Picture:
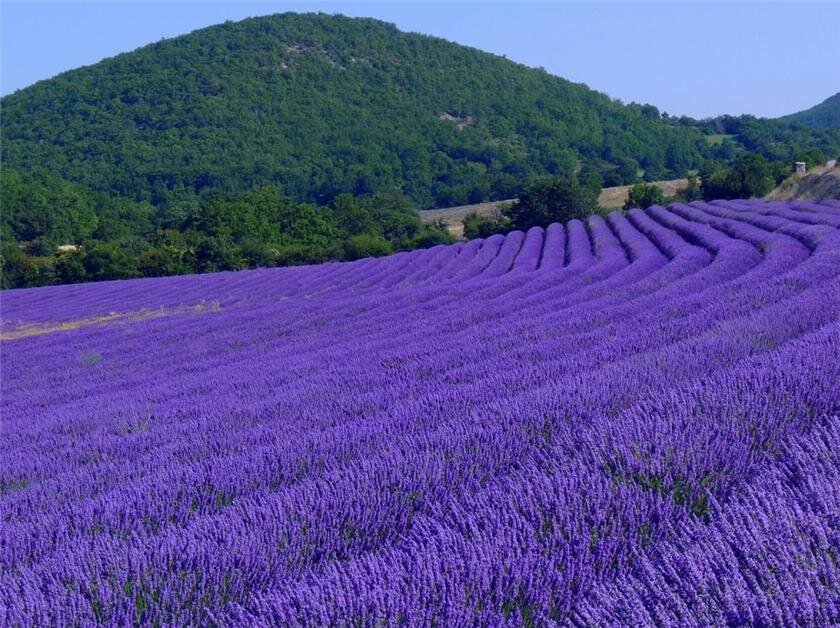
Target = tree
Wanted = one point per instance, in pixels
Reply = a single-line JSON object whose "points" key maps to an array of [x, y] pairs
{"points": [[162, 262], [749, 177], [69, 268], [352, 215], [752, 171], [478, 226], [643, 195], [692, 191], [430, 235], [811, 156], [105, 260], [16, 266], [367, 245], [551, 199]]}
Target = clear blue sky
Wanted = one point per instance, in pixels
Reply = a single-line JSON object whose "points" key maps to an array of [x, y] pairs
{"points": [[698, 59]]}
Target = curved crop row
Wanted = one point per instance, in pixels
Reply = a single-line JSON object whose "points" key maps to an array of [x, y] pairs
{"points": [[628, 420]]}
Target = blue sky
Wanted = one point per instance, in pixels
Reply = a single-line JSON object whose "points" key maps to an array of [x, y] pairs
{"points": [[698, 59]]}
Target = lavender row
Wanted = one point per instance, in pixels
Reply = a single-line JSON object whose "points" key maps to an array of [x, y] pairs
{"points": [[524, 429]]}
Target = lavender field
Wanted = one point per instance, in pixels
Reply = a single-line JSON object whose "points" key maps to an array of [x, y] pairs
{"points": [[632, 421]]}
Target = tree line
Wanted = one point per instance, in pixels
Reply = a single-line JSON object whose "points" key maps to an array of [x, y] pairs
{"points": [[546, 200], [111, 238]]}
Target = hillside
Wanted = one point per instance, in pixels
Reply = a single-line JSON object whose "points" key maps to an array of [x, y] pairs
{"points": [[824, 115], [231, 147], [327, 104], [630, 422], [818, 183]]}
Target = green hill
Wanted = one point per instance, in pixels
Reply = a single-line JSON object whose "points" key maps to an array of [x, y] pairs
{"points": [[824, 115], [233, 146], [327, 104]]}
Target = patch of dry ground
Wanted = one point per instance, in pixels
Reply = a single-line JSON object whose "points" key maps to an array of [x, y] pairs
{"points": [[28, 330], [610, 198], [819, 183], [453, 217], [614, 198]]}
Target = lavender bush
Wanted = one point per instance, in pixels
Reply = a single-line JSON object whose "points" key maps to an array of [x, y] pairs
{"points": [[629, 421]]}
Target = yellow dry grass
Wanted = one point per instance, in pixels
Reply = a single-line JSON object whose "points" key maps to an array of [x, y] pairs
{"points": [[36, 329], [614, 198]]}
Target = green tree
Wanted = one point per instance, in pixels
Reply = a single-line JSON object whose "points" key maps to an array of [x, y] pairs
{"points": [[692, 191], [811, 156], [478, 226], [16, 266], [551, 199], [367, 245], [352, 215], [430, 235], [69, 268], [162, 262], [105, 260], [749, 177], [643, 195]]}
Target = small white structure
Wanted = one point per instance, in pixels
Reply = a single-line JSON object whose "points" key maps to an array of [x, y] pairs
{"points": [[799, 167], [831, 163], [68, 248]]}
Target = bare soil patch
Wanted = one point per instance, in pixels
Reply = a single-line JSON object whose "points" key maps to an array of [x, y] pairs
{"points": [[610, 198]]}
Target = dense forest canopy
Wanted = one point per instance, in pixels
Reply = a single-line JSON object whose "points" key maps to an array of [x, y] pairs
{"points": [[304, 108]]}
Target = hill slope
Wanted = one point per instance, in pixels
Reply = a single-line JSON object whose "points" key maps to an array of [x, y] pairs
{"points": [[630, 423], [205, 152], [824, 115], [326, 104], [819, 183]]}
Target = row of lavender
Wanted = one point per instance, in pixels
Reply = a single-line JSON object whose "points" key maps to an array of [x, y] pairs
{"points": [[632, 420]]}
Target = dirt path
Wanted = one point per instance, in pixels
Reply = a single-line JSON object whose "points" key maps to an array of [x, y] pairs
{"points": [[610, 198]]}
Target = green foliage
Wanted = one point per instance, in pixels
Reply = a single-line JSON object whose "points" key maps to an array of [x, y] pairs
{"points": [[105, 260], [367, 245], [775, 140], [427, 236], [478, 226], [811, 156], [70, 268], [749, 177], [643, 195], [692, 191], [825, 115], [551, 199], [276, 140], [325, 105], [260, 227]]}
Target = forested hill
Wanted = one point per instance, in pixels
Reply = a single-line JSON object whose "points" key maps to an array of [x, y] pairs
{"points": [[824, 115], [326, 104], [300, 138]]}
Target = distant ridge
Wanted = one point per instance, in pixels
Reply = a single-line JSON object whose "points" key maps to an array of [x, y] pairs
{"points": [[825, 115]]}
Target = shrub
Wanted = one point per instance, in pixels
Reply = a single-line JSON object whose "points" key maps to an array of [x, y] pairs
{"points": [[749, 177], [367, 245], [643, 195], [478, 226], [551, 199]]}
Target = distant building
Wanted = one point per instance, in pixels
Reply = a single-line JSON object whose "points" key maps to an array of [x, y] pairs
{"points": [[799, 167], [68, 248], [831, 163]]}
